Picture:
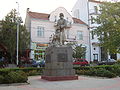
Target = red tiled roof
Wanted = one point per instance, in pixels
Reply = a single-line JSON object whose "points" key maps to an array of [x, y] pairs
{"points": [[95, 1], [46, 17], [39, 15], [78, 21]]}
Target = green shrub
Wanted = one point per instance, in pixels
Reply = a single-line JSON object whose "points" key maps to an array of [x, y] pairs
{"points": [[16, 77], [33, 73], [80, 72], [4, 71], [118, 61], [100, 71], [26, 70], [91, 72], [22, 76], [1, 79], [104, 73], [116, 70]]}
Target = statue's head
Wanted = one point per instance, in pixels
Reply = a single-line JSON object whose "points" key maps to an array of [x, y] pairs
{"points": [[61, 15]]}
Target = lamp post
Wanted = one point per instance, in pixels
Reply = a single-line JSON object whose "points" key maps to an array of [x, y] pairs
{"points": [[17, 35]]}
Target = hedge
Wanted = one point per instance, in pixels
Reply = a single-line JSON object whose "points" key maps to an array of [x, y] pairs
{"points": [[10, 75], [18, 75], [14, 77], [27, 70], [102, 70]]}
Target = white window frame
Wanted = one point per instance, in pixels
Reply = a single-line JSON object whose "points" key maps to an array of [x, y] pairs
{"points": [[79, 35], [40, 31]]}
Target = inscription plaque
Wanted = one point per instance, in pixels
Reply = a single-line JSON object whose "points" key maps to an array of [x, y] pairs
{"points": [[62, 57]]}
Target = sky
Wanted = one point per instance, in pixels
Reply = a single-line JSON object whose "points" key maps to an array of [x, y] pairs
{"points": [[42, 6]]}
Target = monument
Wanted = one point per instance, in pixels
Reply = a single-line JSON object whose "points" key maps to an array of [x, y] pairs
{"points": [[58, 57]]}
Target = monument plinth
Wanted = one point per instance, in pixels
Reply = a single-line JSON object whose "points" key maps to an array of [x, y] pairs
{"points": [[58, 57], [59, 64]]}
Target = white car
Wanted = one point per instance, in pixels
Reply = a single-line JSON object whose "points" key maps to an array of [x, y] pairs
{"points": [[107, 62]]}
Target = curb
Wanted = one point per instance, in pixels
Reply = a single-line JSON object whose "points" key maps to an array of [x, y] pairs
{"points": [[14, 84]]}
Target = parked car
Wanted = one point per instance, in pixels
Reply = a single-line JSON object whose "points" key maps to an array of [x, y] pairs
{"points": [[80, 62], [38, 63], [107, 62]]}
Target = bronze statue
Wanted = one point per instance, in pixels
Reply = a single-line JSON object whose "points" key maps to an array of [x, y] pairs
{"points": [[59, 38], [60, 28]]}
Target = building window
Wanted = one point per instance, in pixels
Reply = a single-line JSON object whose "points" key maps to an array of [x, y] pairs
{"points": [[80, 35], [96, 9], [40, 31], [95, 57]]}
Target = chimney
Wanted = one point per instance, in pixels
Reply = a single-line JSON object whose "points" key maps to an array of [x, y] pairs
{"points": [[28, 9]]}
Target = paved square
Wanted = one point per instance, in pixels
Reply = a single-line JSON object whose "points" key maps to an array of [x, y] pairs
{"points": [[84, 83]]}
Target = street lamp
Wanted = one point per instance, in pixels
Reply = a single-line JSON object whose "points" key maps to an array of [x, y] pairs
{"points": [[17, 34]]}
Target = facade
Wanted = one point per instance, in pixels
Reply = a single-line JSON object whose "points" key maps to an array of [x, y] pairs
{"points": [[87, 10], [41, 27]]}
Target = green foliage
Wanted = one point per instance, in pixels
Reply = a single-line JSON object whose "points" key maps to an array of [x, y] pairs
{"points": [[79, 51], [109, 29], [33, 73], [101, 72], [118, 61], [109, 71], [1, 79], [16, 77], [8, 33], [28, 70], [4, 71]]}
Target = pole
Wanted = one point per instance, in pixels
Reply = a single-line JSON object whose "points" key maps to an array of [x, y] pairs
{"points": [[17, 35], [17, 41], [89, 29]]}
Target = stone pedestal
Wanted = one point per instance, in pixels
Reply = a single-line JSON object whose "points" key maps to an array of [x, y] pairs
{"points": [[59, 64]]}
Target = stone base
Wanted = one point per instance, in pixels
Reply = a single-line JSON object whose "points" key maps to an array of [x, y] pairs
{"points": [[59, 78]]}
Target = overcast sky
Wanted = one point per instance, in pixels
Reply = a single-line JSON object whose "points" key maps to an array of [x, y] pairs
{"points": [[42, 6]]}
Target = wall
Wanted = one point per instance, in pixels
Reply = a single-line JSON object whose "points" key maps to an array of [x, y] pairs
{"points": [[49, 29], [82, 6]]}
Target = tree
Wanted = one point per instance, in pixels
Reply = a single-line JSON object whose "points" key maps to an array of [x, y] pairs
{"points": [[109, 30], [8, 34], [79, 51]]}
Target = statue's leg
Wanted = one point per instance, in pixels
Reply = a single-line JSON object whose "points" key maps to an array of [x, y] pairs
{"points": [[63, 37], [60, 38]]}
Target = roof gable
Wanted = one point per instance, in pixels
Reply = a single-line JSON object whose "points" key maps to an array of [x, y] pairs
{"points": [[55, 15], [44, 16], [39, 15]]}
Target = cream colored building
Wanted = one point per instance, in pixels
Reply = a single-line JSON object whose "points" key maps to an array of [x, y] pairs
{"points": [[41, 27]]}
